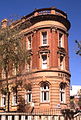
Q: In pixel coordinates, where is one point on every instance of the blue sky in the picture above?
(71, 7)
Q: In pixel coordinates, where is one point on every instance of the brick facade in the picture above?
(52, 21)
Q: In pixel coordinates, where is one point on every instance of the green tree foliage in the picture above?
(22, 107)
(11, 49)
(72, 104)
(12, 52)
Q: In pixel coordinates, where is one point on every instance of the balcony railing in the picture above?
(46, 11)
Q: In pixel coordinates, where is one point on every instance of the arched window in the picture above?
(28, 93)
(44, 92)
(29, 96)
(3, 101)
(62, 93)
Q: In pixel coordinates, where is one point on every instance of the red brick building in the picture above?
(46, 37)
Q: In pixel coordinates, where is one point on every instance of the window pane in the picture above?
(42, 96)
(44, 58)
(29, 97)
(61, 62)
(29, 42)
(62, 93)
(44, 61)
(45, 92)
(45, 96)
(3, 100)
(44, 38)
(61, 96)
(60, 40)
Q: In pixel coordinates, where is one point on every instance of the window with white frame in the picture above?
(3, 101)
(44, 92)
(62, 93)
(29, 96)
(14, 99)
(61, 39)
(29, 42)
(44, 61)
(61, 62)
(44, 38)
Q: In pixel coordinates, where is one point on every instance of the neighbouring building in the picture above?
(75, 97)
(46, 37)
(75, 90)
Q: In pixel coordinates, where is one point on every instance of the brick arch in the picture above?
(44, 82)
(63, 84)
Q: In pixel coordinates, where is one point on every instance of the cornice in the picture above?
(48, 26)
(51, 70)
(52, 17)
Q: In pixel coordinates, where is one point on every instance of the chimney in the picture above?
(4, 23)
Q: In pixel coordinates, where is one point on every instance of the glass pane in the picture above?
(44, 61)
(44, 35)
(44, 41)
(60, 40)
(29, 42)
(30, 97)
(44, 57)
(4, 101)
(61, 97)
(45, 96)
